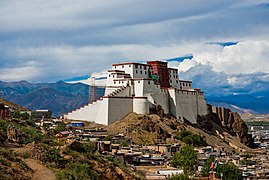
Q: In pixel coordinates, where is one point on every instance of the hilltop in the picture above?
(13, 105)
(215, 129)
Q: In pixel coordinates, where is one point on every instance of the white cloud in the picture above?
(14, 74)
(243, 67)
(52, 40)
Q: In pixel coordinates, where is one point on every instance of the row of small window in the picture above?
(120, 82)
(193, 93)
(141, 72)
(123, 66)
(182, 92)
(139, 82)
(175, 76)
(173, 72)
(141, 67)
(187, 84)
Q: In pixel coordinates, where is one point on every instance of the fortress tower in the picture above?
(136, 87)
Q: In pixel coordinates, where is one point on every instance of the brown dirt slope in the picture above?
(147, 129)
(13, 105)
(12, 166)
(152, 129)
(41, 172)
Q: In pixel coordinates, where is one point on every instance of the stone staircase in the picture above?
(90, 110)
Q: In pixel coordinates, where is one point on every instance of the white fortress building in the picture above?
(135, 87)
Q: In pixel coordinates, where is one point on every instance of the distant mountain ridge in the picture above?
(257, 103)
(60, 97)
(63, 97)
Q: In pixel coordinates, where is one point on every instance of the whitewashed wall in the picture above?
(202, 105)
(140, 105)
(103, 112)
(138, 88)
(118, 108)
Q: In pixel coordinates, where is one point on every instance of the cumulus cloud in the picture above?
(241, 68)
(13, 74)
(53, 40)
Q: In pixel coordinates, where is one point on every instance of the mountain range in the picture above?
(62, 97)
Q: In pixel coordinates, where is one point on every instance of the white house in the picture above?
(136, 87)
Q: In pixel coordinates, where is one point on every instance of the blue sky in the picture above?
(47, 41)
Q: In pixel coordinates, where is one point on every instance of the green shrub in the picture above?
(77, 171)
(60, 128)
(247, 155)
(179, 177)
(247, 162)
(53, 155)
(191, 139)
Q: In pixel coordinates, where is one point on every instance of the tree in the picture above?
(186, 158)
(60, 128)
(229, 171)
(206, 168)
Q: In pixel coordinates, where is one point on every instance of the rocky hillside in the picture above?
(147, 129)
(12, 105)
(229, 121)
(26, 152)
(222, 128)
(60, 97)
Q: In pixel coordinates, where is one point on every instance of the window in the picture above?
(114, 82)
(140, 67)
(122, 66)
(170, 81)
(138, 81)
(129, 65)
(109, 75)
(148, 82)
(113, 75)
(145, 67)
(145, 72)
(136, 66)
(177, 81)
(136, 71)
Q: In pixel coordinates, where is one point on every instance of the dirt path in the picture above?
(41, 172)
